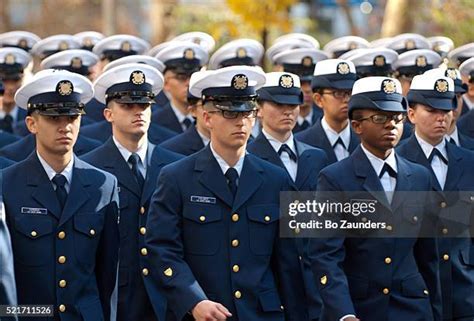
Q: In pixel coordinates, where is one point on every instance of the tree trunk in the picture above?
(346, 8)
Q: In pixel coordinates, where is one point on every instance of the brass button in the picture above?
(62, 283)
(364, 219)
(297, 230)
(62, 235)
(235, 243)
(386, 291)
(62, 308)
(444, 231)
(34, 234)
(168, 272)
(282, 307)
(235, 217)
(145, 271)
(324, 280)
(142, 230)
(300, 258)
(389, 227)
(442, 204)
(92, 232)
(415, 219)
(237, 294)
(142, 210)
(144, 251)
(62, 259)
(202, 218)
(388, 260)
(425, 292)
(236, 268)
(446, 257)
(471, 198)
(267, 218)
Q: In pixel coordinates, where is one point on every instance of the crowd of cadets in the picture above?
(142, 184)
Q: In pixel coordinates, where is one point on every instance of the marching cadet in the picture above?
(6, 138)
(88, 39)
(20, 39)
(442, 45)
(13, 61)
(200, 38)
(412, 63)
(466, 121)
(64, 222)
(240, 52)
(386, 278)
(195, 137)
(7, 276)
(215, 216)
(372, 61)
(279, 100)
(301, 62)
(461, 54)
(432, 101)
(288, 42)
(336, 47)
(53, 44)
(332, 84)
(181, 60)
(129, 91)
(453, 135)
(408, 41)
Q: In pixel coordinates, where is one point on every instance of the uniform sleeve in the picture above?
(107, 255)
(326, 256)
(170, 271)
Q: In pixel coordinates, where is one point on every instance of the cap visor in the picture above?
(62, 112)
(287, 99)
(442, 104)
(343, 84)
(392, 106)
(134, 100)
(236, 106)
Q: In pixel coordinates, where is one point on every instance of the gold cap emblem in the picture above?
(10, 59)
(240, 82)
(189, 54)
(307, 61)
(410, 44)
(421, 61)
(168, 272)
(379, 61)
(441, 86)
(451, 73)
(343, 68)
(76, 63)
(64, 88)
(22, 43)
(286, 81)
(389, 87)
(63, 45)
(241, 53)
(137, 77)
(126, 46)
(324, 280)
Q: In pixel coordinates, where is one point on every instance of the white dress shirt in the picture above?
(223, 164)
(290, 165)
(67, 172)
(204, 139)
(308, 118)
(439, 167)
(333, 136)
(454, 136)
(469, 103)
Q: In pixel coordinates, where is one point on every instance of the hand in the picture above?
(207, 310)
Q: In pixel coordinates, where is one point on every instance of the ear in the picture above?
(357, 126)
(207, 119)
(317, 99)
(411, 113)
(31, 124)
(108, 114)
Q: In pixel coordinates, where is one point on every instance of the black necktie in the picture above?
(388, 169)
(339, 141)
(134, 160)
(6, 123)
(287, 149)
(232, 175)
(187, 122)
(61, 193)
(304, 125)
(436, 152)
(452, 141)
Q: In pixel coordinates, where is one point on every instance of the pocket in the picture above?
(263, 226)
(467, 256)
(88, 227)
(358, 287)
(200, 225)
(33, 240)
(270, 301)
(414, 287)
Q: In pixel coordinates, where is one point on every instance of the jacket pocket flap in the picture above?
(90, 224)
(414, 287)
(202, 214)
(33, 227)
(270, 301)
(265, 214)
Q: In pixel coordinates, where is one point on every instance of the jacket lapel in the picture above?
(325, 144)
(249, 181)
(211, 177)
(193, 139)
(156, 163)
(403, 182)
(455, 169)
(265, 151)
(44, 192)
(78, 194)
(304, 164)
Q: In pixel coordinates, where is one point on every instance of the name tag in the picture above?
(203, 199)
(34, 210)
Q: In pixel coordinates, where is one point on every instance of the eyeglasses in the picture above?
(382, 119)
(338, 94)
(229, 114)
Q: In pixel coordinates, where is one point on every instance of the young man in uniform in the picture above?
(129, 91)
(212, 233)
(62, 212)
